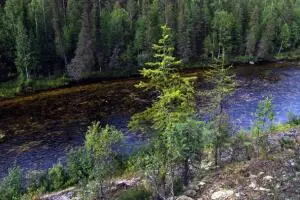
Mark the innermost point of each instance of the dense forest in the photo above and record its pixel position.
(42, 38)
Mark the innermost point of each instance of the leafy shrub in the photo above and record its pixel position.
(79, 165)
(38, 181)
(57, 177)
(138, 193)
(11, 186)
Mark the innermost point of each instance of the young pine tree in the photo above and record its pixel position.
(262, 125)
(223, 81)
(176, 134)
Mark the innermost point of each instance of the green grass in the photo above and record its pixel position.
(291, 55)
(9, 89)
(12, 88)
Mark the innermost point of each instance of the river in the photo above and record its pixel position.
(41, 128)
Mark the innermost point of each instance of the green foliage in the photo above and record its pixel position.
(39, 37)
(242, 146)
(223, 81)
(262, 125)
(79, 165)
(100, 142)
(57, 177)
(11, 186)
(138, 193)
(176, 134)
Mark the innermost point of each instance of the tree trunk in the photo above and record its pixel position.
(216, 155)
(186, 171)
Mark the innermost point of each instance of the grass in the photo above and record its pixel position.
(9, 89)
(291, 55)
(293, 122)
(12, 88)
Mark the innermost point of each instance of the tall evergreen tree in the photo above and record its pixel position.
(84, 58)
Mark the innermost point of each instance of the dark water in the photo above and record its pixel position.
(40, 129)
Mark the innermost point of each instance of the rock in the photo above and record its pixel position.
(123, 183)
(68, 194)
(252, 63)
(261, 173)
(268, 178)
(201, 183)
(252, 185)
(263, 189)
(183, 197)
(222, 194)
(193, 187)
(253, 176)
(190, 193)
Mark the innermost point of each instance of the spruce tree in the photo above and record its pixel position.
(176, 134)
(223, 81)
(253, 32)
(84, 58)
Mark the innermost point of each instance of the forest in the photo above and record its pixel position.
(149, 99)
(42, 38)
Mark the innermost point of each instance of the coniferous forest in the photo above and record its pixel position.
(41, 38)
(149, 99)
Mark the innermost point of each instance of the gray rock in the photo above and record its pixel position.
(201, 184)
(193, 187)
(183, 197)
(222, 194)
(268, 178)
(190, 193)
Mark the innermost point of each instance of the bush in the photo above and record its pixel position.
(138, 193)
(11, 186)
(79, 165)
(38, 181)
(56, 177)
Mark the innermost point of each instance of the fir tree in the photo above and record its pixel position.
(84, 58)
(176, 133)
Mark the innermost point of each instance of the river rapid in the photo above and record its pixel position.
(41, 128)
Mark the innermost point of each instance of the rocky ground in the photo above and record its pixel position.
(277, 177)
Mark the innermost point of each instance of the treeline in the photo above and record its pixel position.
(78, 37)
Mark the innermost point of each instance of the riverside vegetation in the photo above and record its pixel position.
(46, 44)
(180, 141)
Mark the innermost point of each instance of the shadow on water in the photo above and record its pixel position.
(41, 128)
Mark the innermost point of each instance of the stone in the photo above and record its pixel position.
(261, 173)
(183, 197)
(124, 183)
(252, 185)
(190, 193)
(252, 63)
(222, 194)
(268, 178)
(263, 189)
(193, 187)
(201, 183)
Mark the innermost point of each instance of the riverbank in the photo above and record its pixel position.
(11, 89)
(277, 176)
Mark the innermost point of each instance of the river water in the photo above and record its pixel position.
(41, 128)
